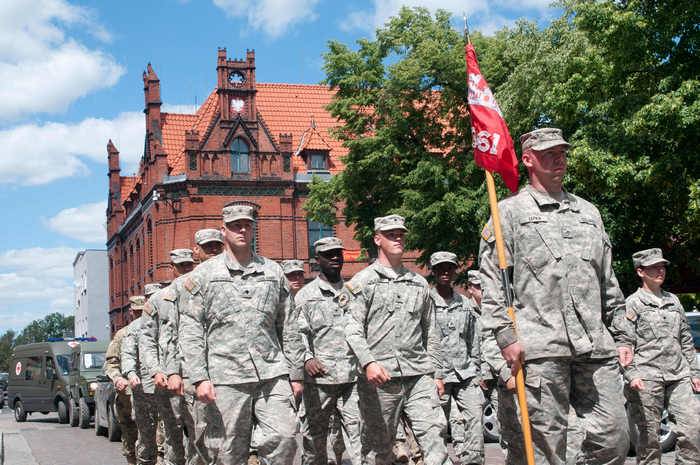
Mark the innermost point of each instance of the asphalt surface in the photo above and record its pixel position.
(41, 440)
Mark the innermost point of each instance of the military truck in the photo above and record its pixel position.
(86, 365)
(39, 379)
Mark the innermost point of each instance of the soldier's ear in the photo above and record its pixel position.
(377, 239)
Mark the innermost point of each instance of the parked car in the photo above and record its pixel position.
(106, 423)
(86, 364)
(4, 377)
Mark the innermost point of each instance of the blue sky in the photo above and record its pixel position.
(70, 78)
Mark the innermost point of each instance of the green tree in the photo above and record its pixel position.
(52, 325)
(7, 344)
(620, 79)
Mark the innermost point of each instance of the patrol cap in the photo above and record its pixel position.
(328, 243)
(473, 277)
(151, 288)
(290, 266)
(387, 223)
(181, 256)
(238, 212)
(137, 302)
(443, 257)
(542, 139)
(208, 235)
(648, 257)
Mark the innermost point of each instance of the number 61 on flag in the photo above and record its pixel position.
(481, 142)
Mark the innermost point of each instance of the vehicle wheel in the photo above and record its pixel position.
(62, 408)
(84, 413)
(20, 414)
(114, 432)
(490, 424)
(99, 430)
(74, 417)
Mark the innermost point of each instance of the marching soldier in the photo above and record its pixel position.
(157, 341)
(142, 388)
(294, 272)
(394, 336)
(460, 333)
(566, 298)
(241, 347)
(664, 371)
(122, 398)
(331, 367)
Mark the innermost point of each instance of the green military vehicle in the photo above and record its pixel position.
(86, 365)
(39, 380)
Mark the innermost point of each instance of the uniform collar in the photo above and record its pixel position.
(325, 286)
(440, 301)
(403, 274)
(543, 199)
(647, 298)
(255, 265)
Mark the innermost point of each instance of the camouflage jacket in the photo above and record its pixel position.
(158, 338)
(494, 363)
(322, 324)
(112, 367)
(658, 330)
(238, 325)
(460, 333)
(393, 321)
(131, 358)
(566, 295)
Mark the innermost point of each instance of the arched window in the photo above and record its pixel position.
(149, 236)
(239, 156)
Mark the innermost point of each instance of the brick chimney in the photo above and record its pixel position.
(151, 91)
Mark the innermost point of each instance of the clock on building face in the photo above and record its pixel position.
(237, 105)
(236, 78)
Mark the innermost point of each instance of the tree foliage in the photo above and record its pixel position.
(620, 78)
(52, 325)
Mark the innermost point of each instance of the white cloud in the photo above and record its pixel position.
(85, 222)
(273, 17)
(42, 69)
(182, 109)
(37, 154)
(33, 283)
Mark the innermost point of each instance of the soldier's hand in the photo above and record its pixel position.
(696, 384)
(160, 380)
(483, 385)
(637, 384)
(625, 355)
(440, 387)
(510, 384)
(120, 384)
(513, 355)
(297, 389)
(205, 392)
(376, 374)
(175, 385)
(314, 367)
(134, 381)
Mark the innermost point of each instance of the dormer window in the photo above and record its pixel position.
(317, 160)
(239, 157)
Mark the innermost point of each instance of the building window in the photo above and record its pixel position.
(193, 161)
(318, 161)
(239, 157)
(287, 163)
(149, 236)
(317, 231)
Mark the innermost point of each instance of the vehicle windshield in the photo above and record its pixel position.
(63, 363)
(4, 376)
(93, 360)
(694, 322)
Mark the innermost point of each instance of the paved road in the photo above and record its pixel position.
(41, 440)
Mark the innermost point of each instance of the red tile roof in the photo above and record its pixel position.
(127, 184)
(173, 127)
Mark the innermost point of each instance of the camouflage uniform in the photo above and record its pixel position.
(143, 396)
(122, 400)
(664, 358)
(322, 322)
(393, 323)
(566, 297)
(460, 333)
(157, 342)
(237, 332)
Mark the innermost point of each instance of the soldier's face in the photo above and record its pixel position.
(444, 273)
(330, 261)
(296, 280)
(475, 291)
(653, 275)
(207, 250)
(238, 234)
(390, 242)
(182, 268)
(547, 165)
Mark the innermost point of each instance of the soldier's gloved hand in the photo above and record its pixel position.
(625, 354)
(440, 384)
(637, 384)
(513, 355)
(120, 384)
(160, 380)
(297, 389)
(175, 385)
(376, 374)
(314, 367)
(205, 392)
(510, 384)
(696, 384)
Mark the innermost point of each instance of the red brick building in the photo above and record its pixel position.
(249, 142)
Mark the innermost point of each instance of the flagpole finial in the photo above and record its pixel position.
(466, 26)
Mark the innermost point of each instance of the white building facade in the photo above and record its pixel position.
(90, 279)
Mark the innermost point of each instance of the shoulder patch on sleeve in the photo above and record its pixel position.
(486, 233)
(192, 285)
(170, 295)
(630, 314)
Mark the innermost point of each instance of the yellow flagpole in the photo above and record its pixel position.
(503, 266)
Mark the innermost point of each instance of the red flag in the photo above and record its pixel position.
(493, 146)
